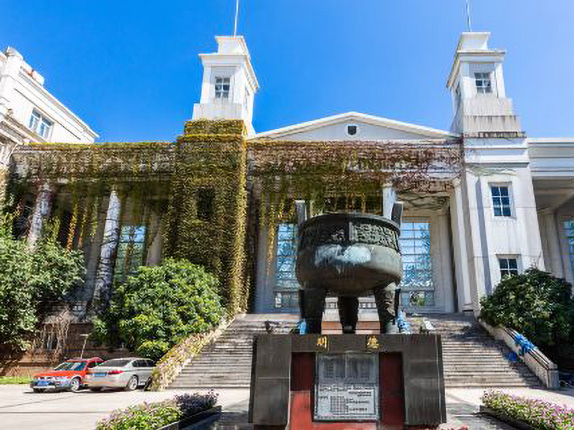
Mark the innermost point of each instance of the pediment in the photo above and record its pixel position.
(364, 127)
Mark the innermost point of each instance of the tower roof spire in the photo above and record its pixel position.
(236, 18)
(468, 17)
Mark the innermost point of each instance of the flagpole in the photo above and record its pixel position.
(468, 21)
(236, 18)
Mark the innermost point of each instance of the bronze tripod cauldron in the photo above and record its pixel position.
(349, 255)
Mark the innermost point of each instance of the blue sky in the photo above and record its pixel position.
(130, 68)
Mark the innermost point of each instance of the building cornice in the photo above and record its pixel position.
(61, 107)
(427, 132)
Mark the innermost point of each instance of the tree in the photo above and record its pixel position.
(159, 306)
(28, 279)
(536, 304)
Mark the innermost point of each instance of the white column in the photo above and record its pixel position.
(156, 242)
(459, 237)
(389, 200)
(551, 243)
(446, 262)
(104, 275)
(42, 209)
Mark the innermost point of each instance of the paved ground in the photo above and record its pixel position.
(21, 409)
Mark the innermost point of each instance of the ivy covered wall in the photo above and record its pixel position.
(207, 211)
(214, 189)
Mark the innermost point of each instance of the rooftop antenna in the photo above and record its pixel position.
(236, 18)
(468, 21)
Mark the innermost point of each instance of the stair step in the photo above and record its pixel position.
(226, 363)
(471, 357)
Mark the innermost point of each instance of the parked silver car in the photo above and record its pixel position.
(127, 373)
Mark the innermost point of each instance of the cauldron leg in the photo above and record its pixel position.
(312, 307)
(385, 298)
(349, 313)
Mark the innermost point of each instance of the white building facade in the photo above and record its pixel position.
(29, 112)
(510, 208)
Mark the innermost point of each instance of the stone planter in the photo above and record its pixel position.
(518, 424)
(203, 417)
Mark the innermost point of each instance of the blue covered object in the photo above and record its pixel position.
(403, 324)
(524, 344)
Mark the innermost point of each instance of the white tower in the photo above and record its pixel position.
(229, 83)
(476, 82)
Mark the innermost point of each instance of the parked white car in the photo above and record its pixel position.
(126, 373)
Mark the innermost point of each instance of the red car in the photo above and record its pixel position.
(67, 376)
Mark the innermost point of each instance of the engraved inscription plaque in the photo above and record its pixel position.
(347, 387)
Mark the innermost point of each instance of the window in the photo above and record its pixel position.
(501, 200)
(23, 218)
(76, 366)
(116, 362)
(205, 199)
(64, 230)
(130, 255)
(483, 83)
(222, 87)
(417, 284)
(508, 266)
(40, 124)
(569, 230)
(286, 285)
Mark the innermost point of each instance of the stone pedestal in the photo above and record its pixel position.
(347, 382)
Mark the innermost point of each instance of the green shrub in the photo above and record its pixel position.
(29, 278)
(155, 415)
(536, 304)
(159, 306)
(15, 380)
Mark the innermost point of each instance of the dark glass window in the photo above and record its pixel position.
(222, 88)
(205, 201)
(130, 255)
(501, 200)
(417, 285)
(64, 232)
(483, 83)
(286, 285)
(508, 267)
(22, 222)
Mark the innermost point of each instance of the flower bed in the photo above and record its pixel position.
(150, 416)
(535, 413)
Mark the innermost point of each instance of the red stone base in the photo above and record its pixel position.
(302, 385)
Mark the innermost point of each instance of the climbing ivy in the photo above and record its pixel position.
(213, 181)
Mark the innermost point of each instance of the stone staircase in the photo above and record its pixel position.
(472, 358)
(226, 363)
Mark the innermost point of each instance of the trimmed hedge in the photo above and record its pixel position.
(536, 413)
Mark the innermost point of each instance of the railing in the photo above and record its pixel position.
(536, 361)
(172, 363)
